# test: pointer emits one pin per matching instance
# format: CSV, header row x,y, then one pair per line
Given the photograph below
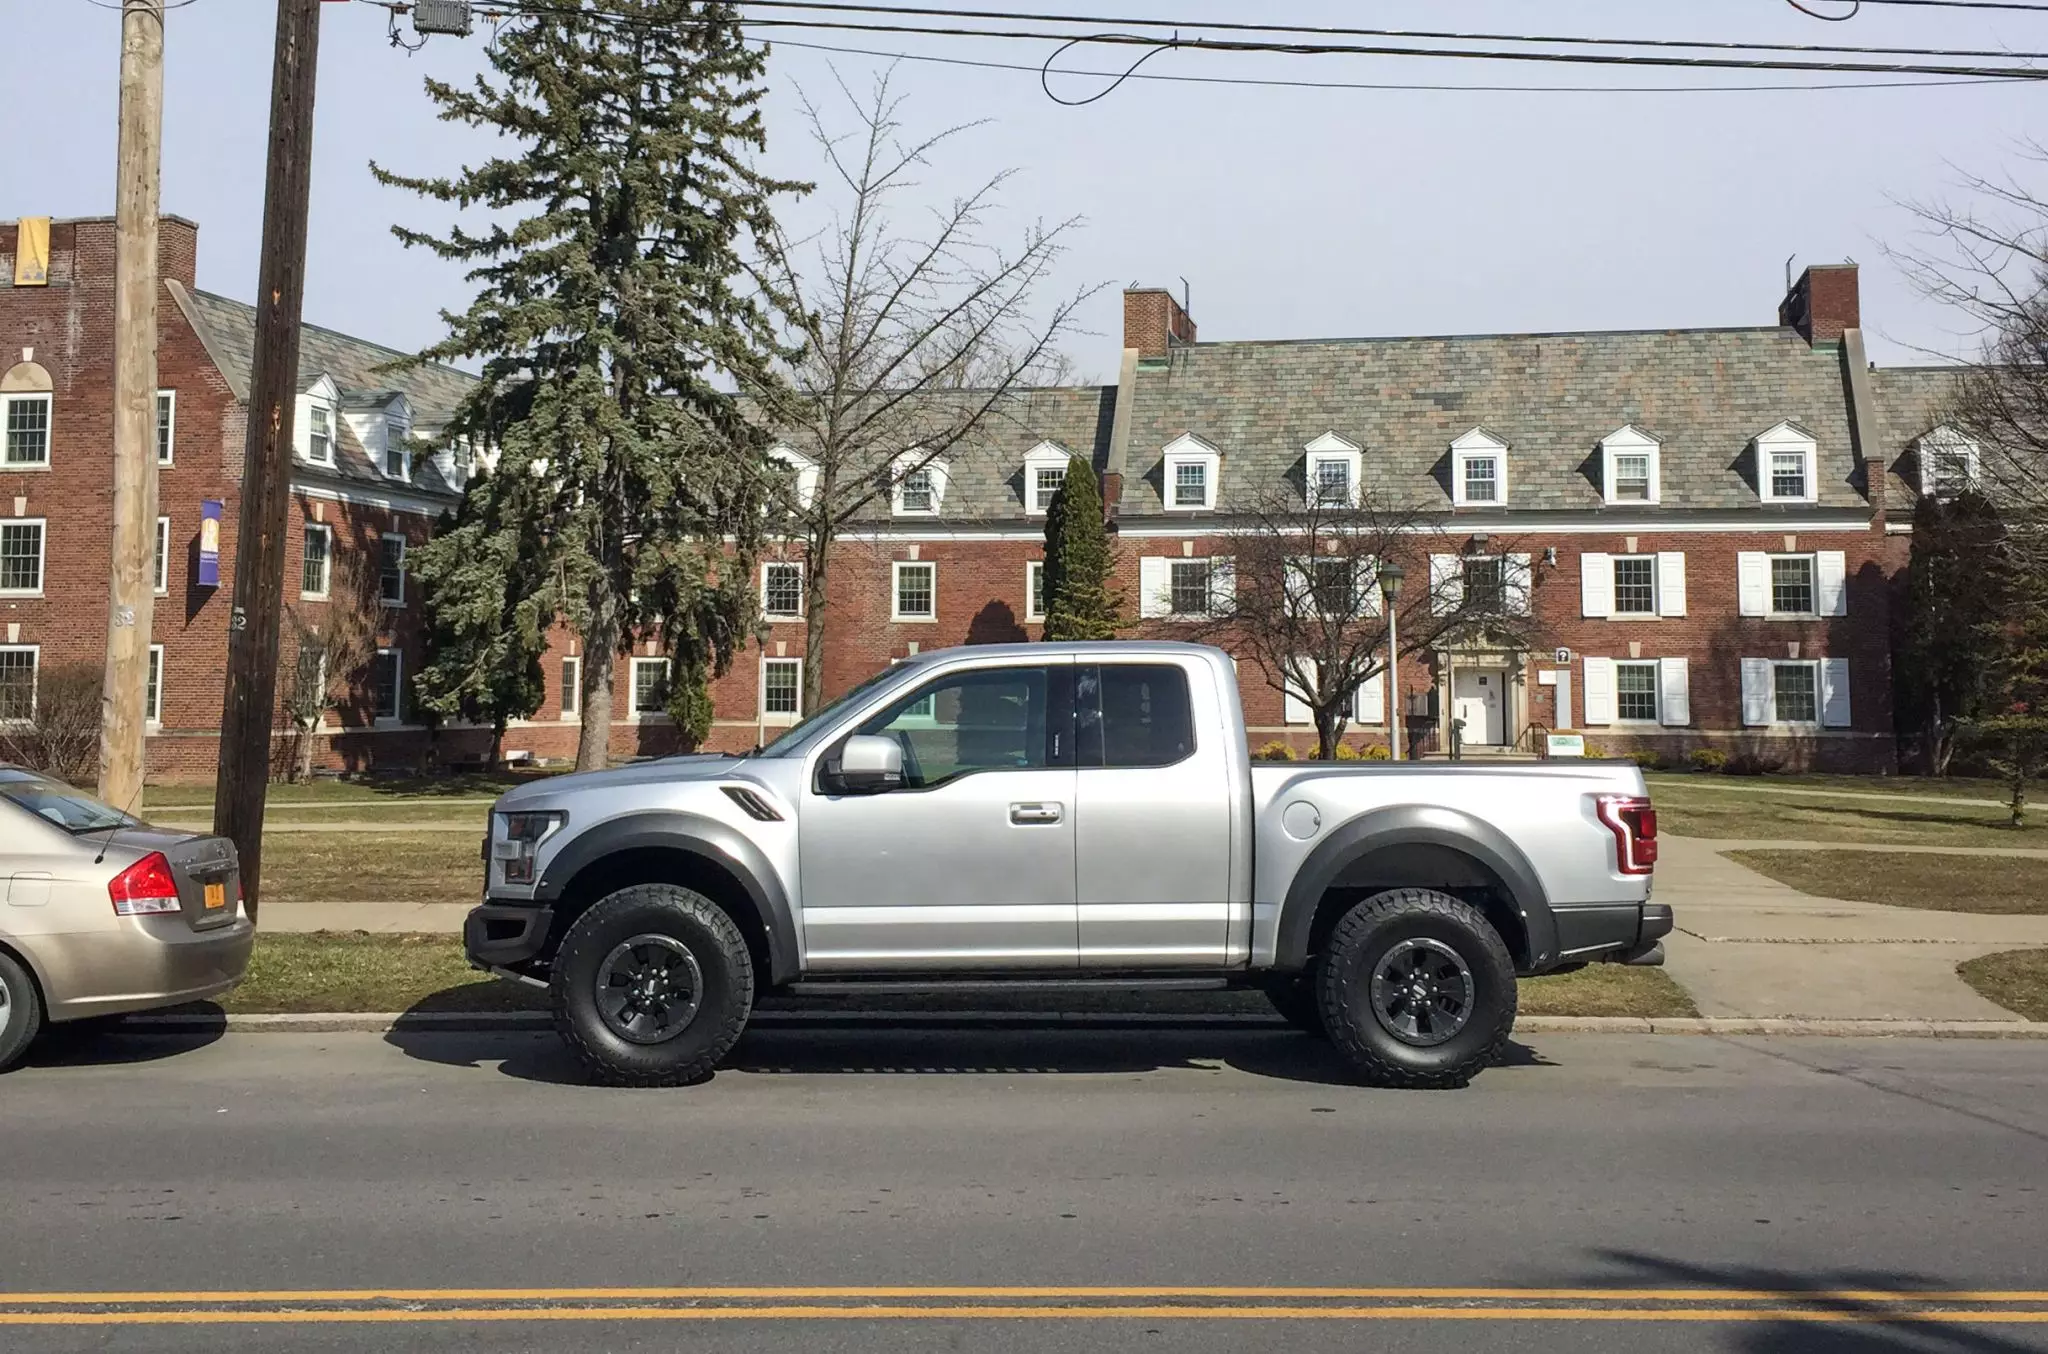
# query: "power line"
x,y
2021,6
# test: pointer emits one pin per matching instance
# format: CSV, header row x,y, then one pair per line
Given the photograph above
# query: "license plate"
x,y
216,894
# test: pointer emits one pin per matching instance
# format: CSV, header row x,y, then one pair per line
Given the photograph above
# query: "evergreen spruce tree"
x,y
615,317
1079,601
483,583
1952,633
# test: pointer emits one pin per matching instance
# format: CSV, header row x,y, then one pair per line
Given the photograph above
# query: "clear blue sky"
x,y
1291,213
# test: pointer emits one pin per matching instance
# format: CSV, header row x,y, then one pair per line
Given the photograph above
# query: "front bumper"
x,y
159,962
506,935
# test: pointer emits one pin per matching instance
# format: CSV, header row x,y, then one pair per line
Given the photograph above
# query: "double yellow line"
x,y
957,1303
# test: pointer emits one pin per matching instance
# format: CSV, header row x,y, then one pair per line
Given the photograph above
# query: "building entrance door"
x,y
1478,696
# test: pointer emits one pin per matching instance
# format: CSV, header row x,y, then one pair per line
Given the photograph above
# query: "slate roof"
x,y
228,329
1909,403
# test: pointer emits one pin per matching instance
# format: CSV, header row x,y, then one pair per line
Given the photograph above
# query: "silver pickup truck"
x,y
1061,813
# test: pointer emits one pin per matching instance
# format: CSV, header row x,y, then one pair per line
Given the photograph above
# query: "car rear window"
x,y
52,800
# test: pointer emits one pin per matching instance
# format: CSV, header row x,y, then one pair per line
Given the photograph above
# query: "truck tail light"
x,y
1634,825
144,888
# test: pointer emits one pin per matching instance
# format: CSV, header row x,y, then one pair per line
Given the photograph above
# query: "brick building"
x,y
1704,525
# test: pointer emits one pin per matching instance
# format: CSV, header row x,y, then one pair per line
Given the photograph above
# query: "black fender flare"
x,y
1414,825
695,835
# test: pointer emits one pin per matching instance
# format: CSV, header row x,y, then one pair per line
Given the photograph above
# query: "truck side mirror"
x,y
869,764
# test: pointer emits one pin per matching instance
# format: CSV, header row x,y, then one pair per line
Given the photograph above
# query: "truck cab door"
x,y
1153,802
970,863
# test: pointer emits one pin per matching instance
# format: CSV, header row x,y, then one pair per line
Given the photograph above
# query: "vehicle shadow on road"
x,y
1847,1318
112,1043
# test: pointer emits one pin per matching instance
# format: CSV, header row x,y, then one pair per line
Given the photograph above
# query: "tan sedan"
x,y
102,914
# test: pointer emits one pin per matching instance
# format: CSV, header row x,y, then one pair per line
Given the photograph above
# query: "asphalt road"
x,y
1025,1190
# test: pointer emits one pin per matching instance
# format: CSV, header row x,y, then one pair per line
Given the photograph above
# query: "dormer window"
x,y
1332,474
920,487
1786,470
1479,470
1191,470
917,493
803,474
398,441
316,423
1948,464
320,435
1045,472
1631,468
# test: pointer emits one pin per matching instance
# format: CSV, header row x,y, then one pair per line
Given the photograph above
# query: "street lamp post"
x,y
1390,589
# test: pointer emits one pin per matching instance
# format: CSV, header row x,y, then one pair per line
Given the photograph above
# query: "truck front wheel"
x,y
1417,989
652,986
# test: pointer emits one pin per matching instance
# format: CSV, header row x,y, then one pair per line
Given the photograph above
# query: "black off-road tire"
x,y
1354,951
727,990
1296,1001
21,1011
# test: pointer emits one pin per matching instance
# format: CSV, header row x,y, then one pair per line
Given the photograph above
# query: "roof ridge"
x,y
1506,334
350,338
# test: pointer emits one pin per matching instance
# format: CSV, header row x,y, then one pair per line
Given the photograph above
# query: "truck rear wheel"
x,y
1417,989
652,986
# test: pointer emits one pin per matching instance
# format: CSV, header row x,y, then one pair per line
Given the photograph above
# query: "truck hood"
x,y
662,771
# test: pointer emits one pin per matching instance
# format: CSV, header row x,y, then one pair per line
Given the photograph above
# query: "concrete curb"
x,y
531,1021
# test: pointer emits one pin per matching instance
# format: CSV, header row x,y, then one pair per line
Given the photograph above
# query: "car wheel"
x,y
21,1011
652,986
1417,989
1295,999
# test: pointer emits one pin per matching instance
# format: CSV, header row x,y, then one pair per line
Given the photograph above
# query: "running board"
x,y
907,986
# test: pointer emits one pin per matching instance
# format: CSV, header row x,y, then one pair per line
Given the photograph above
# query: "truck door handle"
x,y
1034,813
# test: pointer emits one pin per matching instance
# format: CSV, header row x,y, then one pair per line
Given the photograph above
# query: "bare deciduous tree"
x,y
329,645
60,732
1302,597
917,344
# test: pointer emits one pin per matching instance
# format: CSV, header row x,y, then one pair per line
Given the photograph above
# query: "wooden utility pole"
x,y
131,590
248,715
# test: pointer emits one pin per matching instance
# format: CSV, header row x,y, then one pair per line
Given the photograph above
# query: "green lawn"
x,y
397,790
1930,787
387,867
2005,885
343,972
2015,979
1760,808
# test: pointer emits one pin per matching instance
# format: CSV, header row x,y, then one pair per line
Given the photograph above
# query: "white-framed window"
x,y
1638,691
1034,590
1368,700
25,427
316,562
387,686
153,694
319,433
1479,470
166,426
21,556
1947,462
1632,587
803,475
1787,468
1635,692
913,591
1189,591
398,442
782,590
1797,693
1330,587
1635,585
650,686
1481,583
782,690
1331,473
462,456
18,682
1180,587
391,569
920,489
1191,470
1045,470
572,687
1792,585
1631,464
163,556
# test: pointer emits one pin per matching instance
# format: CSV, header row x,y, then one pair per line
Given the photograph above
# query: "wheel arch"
x,y
685,849
1418,846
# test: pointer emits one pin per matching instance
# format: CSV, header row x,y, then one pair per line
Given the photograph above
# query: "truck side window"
x,y
1132,714
987,720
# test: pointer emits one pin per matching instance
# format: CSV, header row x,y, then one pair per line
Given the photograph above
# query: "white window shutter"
x,y
1372,700
1671,583
1301,672
1222,585
1366,579
1521,583
1674,689
1297,586
1446,584
1831,583
1154,584
1596,585
1599,691
1834,692
1758,697
1752,583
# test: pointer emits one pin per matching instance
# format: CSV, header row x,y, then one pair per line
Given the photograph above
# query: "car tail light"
x,y
144,888
1634,825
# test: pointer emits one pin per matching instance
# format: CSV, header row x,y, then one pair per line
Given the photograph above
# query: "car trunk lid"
x,y
208,875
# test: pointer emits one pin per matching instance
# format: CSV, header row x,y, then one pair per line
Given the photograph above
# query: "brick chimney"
x,y
1822,303
1154,322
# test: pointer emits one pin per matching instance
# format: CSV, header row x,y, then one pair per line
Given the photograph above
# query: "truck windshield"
x,y
797,738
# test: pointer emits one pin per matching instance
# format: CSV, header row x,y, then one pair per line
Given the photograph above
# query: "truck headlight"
x,y
516,845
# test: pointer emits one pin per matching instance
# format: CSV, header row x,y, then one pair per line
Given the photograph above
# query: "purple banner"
x,y
209,543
